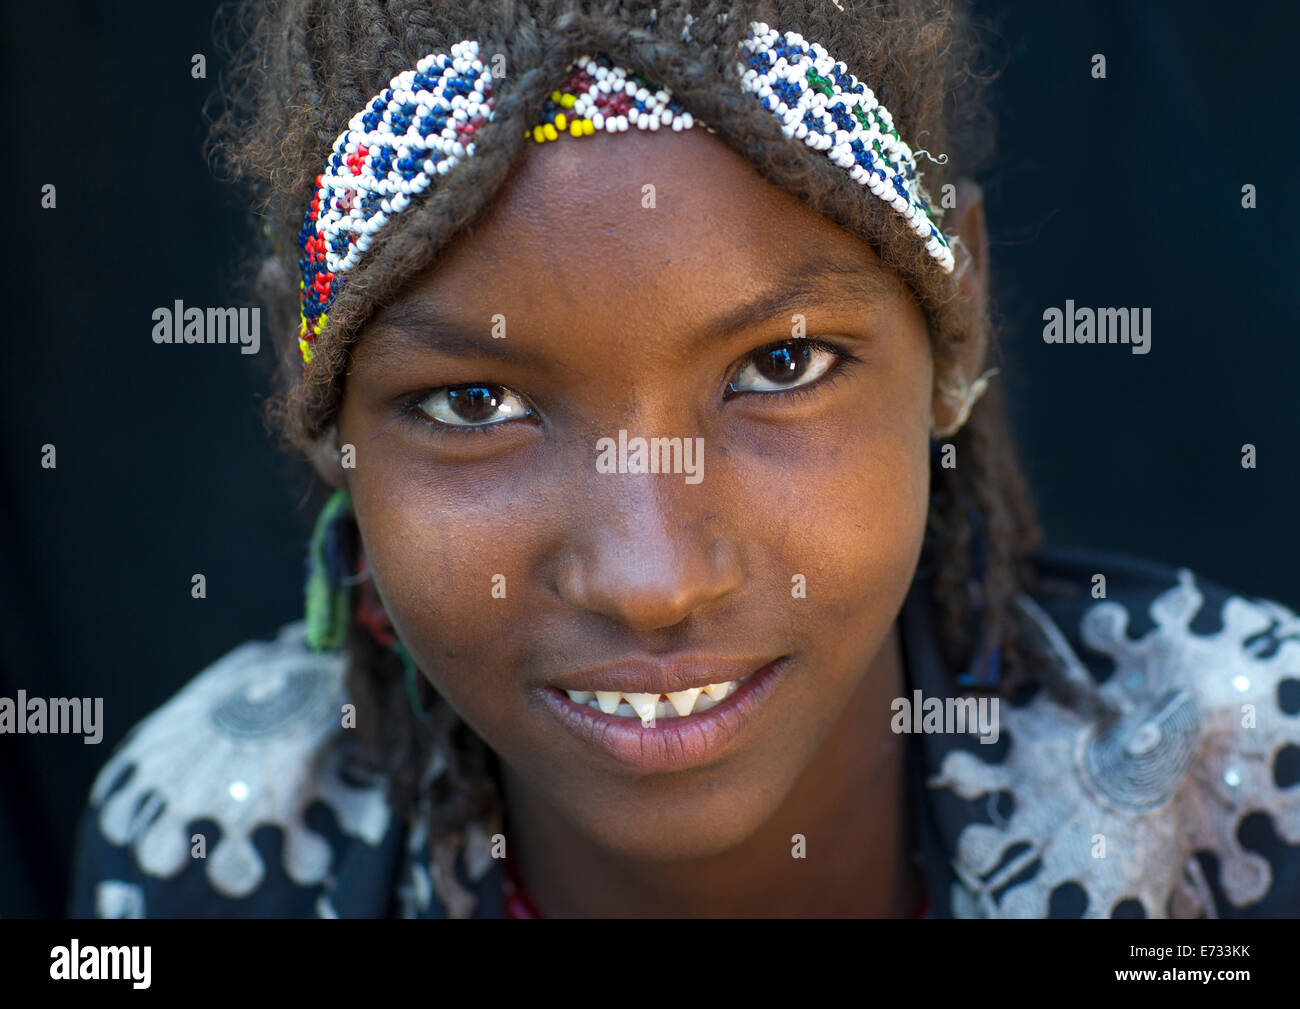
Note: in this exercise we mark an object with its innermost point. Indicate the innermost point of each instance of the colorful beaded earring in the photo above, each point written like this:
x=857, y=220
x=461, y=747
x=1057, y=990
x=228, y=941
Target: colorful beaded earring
x=328, y=594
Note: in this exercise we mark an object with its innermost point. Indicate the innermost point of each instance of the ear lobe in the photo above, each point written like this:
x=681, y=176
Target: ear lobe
x=326, y=460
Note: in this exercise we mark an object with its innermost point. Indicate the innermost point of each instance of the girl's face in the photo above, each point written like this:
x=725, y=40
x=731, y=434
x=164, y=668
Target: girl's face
x=646, y=286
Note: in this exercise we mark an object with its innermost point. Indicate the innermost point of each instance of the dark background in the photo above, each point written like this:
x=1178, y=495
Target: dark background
x=1117, y=192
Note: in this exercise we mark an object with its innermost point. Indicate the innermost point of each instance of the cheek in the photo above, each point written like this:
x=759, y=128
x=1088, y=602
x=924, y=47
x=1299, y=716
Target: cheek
x=847, y=500
x=447, y=562
x=845, y=521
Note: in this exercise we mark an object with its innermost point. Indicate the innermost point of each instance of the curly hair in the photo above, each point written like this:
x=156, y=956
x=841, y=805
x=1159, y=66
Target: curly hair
x=302, y=68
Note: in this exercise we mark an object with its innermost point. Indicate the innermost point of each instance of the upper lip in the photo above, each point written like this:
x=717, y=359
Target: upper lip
x=665, y=676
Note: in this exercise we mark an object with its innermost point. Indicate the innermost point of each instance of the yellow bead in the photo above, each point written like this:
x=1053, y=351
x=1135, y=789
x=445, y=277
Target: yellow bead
x=305, y=348
x=575, y=127
x=549, y=130
x=588, y=127
x=538, y=135
x=561, y=122
x=568, y=100
x=556, y=96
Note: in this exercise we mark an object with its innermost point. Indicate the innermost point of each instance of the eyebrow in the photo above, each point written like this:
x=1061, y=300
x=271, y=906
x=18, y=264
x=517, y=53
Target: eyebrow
x=820, y=281
x=423, y=322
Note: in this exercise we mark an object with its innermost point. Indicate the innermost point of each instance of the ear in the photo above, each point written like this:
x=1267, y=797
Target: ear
x=966, y=222
x=326, y=459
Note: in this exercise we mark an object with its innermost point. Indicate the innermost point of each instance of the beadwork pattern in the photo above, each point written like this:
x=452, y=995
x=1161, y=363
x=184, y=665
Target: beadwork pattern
x=596, y=95
x=417, y=128
x=819, y=102
x=425, y=122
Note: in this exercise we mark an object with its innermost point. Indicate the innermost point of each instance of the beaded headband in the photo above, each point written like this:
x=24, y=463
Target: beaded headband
x=426, y=120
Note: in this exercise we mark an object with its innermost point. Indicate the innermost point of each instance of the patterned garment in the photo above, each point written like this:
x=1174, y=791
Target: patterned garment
x=1167, y=786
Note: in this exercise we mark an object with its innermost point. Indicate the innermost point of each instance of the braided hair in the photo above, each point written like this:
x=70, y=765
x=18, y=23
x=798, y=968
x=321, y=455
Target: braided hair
x=300, y=69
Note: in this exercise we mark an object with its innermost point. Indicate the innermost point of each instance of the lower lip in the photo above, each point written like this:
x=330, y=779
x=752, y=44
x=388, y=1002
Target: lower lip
x=672, y=744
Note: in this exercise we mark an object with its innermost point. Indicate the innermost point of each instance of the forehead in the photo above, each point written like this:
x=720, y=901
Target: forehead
x=638, y=216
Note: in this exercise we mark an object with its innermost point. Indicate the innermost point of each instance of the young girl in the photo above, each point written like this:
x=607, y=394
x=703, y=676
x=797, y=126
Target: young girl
x=675, y=558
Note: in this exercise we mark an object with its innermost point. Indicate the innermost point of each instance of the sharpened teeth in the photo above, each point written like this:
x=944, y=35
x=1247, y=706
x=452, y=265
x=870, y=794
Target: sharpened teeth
x=683, y=701
x=644, y=705
x=648, y=707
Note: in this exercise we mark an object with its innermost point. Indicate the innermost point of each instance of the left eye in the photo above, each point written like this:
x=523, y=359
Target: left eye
x=472, y=405
x=785, y=365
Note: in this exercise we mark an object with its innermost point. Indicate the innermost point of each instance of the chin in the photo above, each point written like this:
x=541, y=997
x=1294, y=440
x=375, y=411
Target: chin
x=681, y=831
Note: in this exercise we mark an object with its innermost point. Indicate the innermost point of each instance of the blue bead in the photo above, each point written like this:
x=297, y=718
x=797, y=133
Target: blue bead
x=788, y=90
x=841, y=117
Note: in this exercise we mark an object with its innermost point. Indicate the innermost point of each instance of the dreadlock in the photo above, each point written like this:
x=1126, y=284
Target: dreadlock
x=301, y=69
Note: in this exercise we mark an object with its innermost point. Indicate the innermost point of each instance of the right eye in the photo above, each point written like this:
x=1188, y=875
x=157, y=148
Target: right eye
x=475, y=406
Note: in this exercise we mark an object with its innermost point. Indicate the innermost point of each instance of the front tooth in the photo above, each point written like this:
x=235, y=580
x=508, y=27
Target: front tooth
x=683, y=700
x=580, y=696
x=643, y=705
x=608, y=700
x=717, y=691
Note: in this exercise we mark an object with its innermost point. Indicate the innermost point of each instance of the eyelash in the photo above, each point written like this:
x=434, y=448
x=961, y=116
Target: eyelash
x=846, y=361
x=411, y=411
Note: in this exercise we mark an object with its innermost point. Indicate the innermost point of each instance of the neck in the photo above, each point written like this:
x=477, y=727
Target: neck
x=850, y=801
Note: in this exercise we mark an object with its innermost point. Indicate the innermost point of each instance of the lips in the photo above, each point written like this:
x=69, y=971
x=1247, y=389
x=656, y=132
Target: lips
x=643, y=676
x=651, y=736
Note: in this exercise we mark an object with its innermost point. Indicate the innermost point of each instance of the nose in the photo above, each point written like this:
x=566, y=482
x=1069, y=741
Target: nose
x=648, y=554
